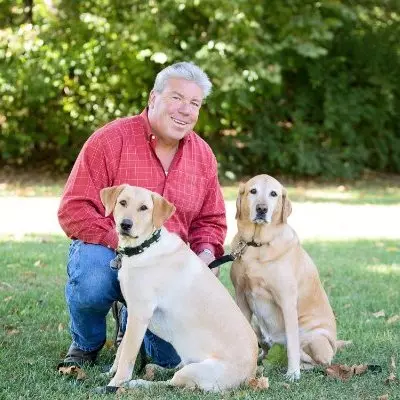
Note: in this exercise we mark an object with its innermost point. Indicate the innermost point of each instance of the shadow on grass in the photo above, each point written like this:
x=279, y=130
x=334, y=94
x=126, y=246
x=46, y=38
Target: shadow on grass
x=361, y=277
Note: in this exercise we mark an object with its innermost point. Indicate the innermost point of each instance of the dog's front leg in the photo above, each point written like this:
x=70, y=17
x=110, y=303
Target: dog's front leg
x=129, y=349
x=289, y=309
x=242, y=303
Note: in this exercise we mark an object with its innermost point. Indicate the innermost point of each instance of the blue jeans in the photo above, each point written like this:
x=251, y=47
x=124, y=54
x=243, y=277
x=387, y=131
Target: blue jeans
x=91, y=289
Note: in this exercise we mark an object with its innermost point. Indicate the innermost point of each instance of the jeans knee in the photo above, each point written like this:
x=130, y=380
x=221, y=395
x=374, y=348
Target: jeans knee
x=89, y=293
x=92, y=284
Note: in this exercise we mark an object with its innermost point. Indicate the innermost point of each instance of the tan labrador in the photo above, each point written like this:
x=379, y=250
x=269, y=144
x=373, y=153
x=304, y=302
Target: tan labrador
x=276, y=280
x=169, y=290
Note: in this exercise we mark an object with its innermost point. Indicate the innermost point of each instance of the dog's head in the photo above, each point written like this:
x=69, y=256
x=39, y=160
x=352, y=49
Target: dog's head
x=137, y=211
x=262, y=200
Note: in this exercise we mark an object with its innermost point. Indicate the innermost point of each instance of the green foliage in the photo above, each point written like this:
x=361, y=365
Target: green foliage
x=300, y=87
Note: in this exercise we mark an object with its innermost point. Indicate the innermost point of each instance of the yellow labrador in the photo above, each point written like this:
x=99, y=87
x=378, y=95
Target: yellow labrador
x=276, y=280
x=169, y=290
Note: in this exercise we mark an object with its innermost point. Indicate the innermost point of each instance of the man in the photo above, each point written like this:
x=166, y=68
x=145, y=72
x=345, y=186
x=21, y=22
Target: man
x=159, y=151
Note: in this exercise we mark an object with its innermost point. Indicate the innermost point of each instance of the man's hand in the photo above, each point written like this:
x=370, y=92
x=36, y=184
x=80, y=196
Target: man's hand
x=208, y=257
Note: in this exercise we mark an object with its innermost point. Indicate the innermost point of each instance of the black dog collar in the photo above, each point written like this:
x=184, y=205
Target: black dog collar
x=132, y=251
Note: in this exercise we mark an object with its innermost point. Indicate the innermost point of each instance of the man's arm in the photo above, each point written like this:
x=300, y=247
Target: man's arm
x=81, y=213
x=208, y=229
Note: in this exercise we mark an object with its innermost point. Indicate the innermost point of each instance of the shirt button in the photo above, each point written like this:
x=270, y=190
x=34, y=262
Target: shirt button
x=152, y=137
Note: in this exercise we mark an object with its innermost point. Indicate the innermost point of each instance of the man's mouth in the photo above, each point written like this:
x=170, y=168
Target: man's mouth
x=179, y=122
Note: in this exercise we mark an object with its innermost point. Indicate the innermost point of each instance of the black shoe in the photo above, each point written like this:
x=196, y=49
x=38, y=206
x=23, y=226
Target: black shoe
x=78, y=357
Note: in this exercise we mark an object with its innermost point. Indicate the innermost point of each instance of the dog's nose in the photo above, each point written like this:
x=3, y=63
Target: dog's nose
x=126, y=224
x=261, y=208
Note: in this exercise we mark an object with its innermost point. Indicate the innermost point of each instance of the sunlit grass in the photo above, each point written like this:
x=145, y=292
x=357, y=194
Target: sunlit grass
x=380, y=191
x=384, y=192
x=361, y=278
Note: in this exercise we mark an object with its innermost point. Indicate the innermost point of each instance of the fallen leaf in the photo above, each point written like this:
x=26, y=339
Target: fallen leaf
x=378, y=314
x=5, y=285
x=37, y=263
x=393, y=319
x=73, y=371
x=60, y=327
x=12, y=331
x=29, y=274
x=120, y=391
x=7, y=299
x=392, y=249
x=149, y=372
x=348, y=305
x=391, y=378
x=392, y=364
x=109, y=344
x=344, y=372
x=360, y=369
x=285, y=385
x=259, y=383
x=384, y=397
x=340, y=344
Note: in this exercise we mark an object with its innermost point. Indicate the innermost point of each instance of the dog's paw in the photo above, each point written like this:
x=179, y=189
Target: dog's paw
x=293, y=375
x=137, y=383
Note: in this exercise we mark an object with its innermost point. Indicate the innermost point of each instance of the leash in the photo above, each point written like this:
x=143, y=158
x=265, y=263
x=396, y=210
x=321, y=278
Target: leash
x=116, y=263
x=235, y=254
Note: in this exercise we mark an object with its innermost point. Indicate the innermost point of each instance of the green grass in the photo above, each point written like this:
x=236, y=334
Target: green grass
x=383, y=190
x=360, y=277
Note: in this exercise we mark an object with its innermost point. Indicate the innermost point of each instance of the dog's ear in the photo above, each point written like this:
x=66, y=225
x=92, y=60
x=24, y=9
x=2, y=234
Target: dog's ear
x=286, y=206
x=109, y=197
x=162, y=210
x=242, y=187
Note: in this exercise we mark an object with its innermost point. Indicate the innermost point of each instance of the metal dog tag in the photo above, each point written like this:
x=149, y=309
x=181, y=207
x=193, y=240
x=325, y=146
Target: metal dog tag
x=116, y=263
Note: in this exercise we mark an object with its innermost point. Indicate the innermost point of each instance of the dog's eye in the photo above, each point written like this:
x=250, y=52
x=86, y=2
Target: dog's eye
x=123, y=203
x=143, y=208
x=253, y=191
x=273, y=194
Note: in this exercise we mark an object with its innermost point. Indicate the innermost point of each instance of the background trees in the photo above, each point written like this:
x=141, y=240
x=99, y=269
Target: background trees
x=300, y=87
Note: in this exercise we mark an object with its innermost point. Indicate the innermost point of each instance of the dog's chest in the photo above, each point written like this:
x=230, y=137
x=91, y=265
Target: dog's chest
x=161, y=324
x=269, y=316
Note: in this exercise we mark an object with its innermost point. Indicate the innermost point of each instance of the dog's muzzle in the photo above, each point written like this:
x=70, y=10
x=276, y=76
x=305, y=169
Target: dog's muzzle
x=125, y=225
x=261, y=214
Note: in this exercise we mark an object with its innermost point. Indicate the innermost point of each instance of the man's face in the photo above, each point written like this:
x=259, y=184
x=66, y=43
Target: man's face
x=174, y=112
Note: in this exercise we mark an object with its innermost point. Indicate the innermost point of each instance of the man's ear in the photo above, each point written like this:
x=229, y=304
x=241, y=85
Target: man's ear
x=152, y=96
x=242, y=187
x=286, y=206
x=162, y=210
x=109, y=197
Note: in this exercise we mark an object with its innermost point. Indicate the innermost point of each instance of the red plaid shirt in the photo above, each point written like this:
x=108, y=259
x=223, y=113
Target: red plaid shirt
x=123, y=152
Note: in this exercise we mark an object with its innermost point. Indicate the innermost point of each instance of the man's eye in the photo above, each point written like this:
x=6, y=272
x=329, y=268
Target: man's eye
x=197, y=105
x=123, y=203
x=143, y=208
x=273, y=194
x=253, y=191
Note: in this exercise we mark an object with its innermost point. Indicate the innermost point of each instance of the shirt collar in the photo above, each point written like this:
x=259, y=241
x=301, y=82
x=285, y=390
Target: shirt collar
x=149, y=133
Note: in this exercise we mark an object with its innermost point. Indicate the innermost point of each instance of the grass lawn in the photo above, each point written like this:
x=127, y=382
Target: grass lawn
x=361, y=278
x=380, y=190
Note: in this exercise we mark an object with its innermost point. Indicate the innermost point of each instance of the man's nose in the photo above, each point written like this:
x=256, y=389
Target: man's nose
x=126, y=224
x=184, y=108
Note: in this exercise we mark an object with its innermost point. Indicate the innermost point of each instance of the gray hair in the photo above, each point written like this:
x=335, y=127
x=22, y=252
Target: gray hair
x=185, y=70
